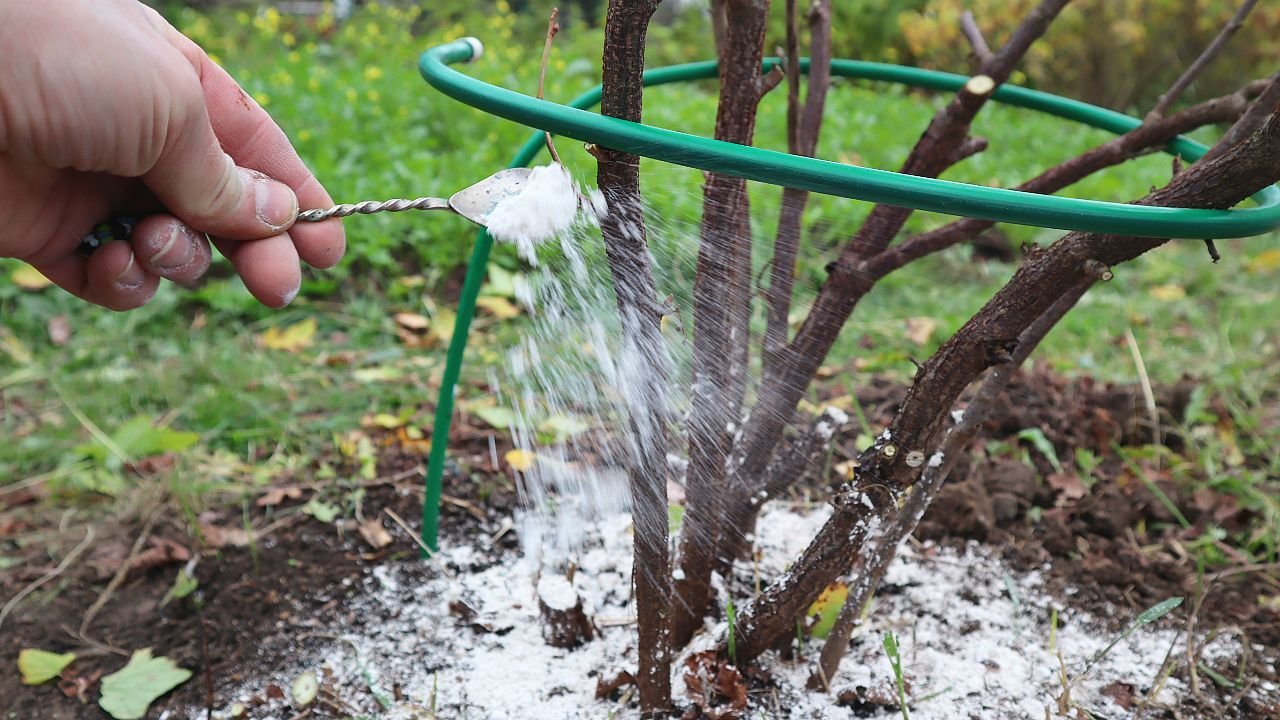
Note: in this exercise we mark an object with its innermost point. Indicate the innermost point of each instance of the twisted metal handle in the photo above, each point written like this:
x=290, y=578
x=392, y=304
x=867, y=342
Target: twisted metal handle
x=369, y=207
x=121, y=228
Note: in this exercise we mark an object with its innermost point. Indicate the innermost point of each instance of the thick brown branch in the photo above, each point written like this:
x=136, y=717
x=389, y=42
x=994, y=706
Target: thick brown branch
x=987, y=339
x=1252, y=119
x=1180, y=85
x=876, y=559
x=626, y=25
x=804, y=125
x=845, y=285
x=721, y=314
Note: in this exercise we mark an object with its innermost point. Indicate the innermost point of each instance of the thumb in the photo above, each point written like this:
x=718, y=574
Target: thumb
x=201, y=185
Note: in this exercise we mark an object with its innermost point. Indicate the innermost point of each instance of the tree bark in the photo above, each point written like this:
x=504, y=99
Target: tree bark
x=721, y=315
x=623, y=228
x=936, y=150
x=989, y=338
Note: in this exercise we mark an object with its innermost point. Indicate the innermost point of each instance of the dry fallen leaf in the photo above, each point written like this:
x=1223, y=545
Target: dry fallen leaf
x=920, y=329
x=291, y=339
x=59, y=330
x=412, y=321
x=499, y=307
x=277, y=496
x=374, y=533
x=1068, y=485
x=217, y=536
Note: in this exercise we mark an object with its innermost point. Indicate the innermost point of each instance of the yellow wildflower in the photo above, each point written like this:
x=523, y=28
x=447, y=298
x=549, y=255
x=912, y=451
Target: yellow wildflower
x=372, y=72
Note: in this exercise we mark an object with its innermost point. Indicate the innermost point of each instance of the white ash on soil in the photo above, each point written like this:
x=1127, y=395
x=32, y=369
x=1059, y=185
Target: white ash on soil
x=974, y=638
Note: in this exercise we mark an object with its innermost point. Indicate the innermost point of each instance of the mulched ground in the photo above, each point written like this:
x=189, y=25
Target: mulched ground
x=1113, y=542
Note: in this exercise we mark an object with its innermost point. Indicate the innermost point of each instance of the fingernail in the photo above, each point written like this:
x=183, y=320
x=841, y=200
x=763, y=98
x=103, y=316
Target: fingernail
x=132, y=276
x=177, y=251
x=289, y=296
x=276, y=204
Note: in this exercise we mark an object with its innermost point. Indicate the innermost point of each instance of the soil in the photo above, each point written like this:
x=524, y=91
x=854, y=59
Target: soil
x=1107, y=544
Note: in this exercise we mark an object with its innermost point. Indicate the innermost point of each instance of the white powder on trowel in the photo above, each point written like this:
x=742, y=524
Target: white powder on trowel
x=544, y=208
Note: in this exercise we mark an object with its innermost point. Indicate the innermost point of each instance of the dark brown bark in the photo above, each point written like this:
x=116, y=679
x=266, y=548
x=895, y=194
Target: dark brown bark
x=804, y=126
x=1251, y=120
x=981, y=53
x=936, y=150
x=989, y=338
x=876, y=557
x=618, y=176
x=721, y=314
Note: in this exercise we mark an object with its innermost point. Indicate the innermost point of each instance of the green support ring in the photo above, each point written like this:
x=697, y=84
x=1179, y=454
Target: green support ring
x=822, y=176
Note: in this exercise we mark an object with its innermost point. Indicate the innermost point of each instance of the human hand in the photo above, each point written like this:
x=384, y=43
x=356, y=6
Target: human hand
x=107, y=110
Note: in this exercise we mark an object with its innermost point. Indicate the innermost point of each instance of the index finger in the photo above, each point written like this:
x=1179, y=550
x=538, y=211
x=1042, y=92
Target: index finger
x=254, y=140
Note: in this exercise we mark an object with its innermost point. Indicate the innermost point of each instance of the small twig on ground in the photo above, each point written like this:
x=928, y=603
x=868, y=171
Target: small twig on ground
x=972, y=33
x=395, y=517
x=1195, y=68
x=121, y=574
x=553, y=27
x=1148, y=395
x=61, y=568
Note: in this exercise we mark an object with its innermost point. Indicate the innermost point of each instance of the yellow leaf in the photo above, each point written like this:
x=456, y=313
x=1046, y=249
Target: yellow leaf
x=291, y=339
x=39, y=666
x=1168, y=292
x=442, y=325
x=827, y=608
x=520, y=460
x=1265, y=261
x=29, y=278
x=499, y=307
x=386, y=421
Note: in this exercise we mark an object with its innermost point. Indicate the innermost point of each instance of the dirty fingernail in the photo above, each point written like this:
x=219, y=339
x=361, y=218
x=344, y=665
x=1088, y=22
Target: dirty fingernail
x=133, y=275
x=177, y=251
x=277, y=206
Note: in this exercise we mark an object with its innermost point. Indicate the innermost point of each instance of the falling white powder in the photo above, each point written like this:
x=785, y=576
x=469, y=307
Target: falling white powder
x=936, y=459
x=544, y=208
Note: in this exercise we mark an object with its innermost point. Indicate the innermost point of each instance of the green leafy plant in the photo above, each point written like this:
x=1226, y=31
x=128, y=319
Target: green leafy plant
x=895, y=662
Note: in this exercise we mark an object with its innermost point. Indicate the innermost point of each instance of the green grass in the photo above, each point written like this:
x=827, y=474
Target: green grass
x=369, y=127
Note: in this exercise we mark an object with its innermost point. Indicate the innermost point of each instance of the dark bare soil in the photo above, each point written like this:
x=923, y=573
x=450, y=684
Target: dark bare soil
x=1111, y=539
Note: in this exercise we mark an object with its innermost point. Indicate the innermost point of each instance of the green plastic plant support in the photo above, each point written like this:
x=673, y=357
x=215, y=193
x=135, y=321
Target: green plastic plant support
x=816, y=175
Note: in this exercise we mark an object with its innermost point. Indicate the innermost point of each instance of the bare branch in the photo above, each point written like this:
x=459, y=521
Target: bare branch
x=981, y=52
x=804, y=125
x=1252, y=119
x=618, y=175
x=553, y=27
x=879, y=555
x=932, y=154
x=1151, y=134
x=722, y=294
x=1180, y=85
x=989, y=338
